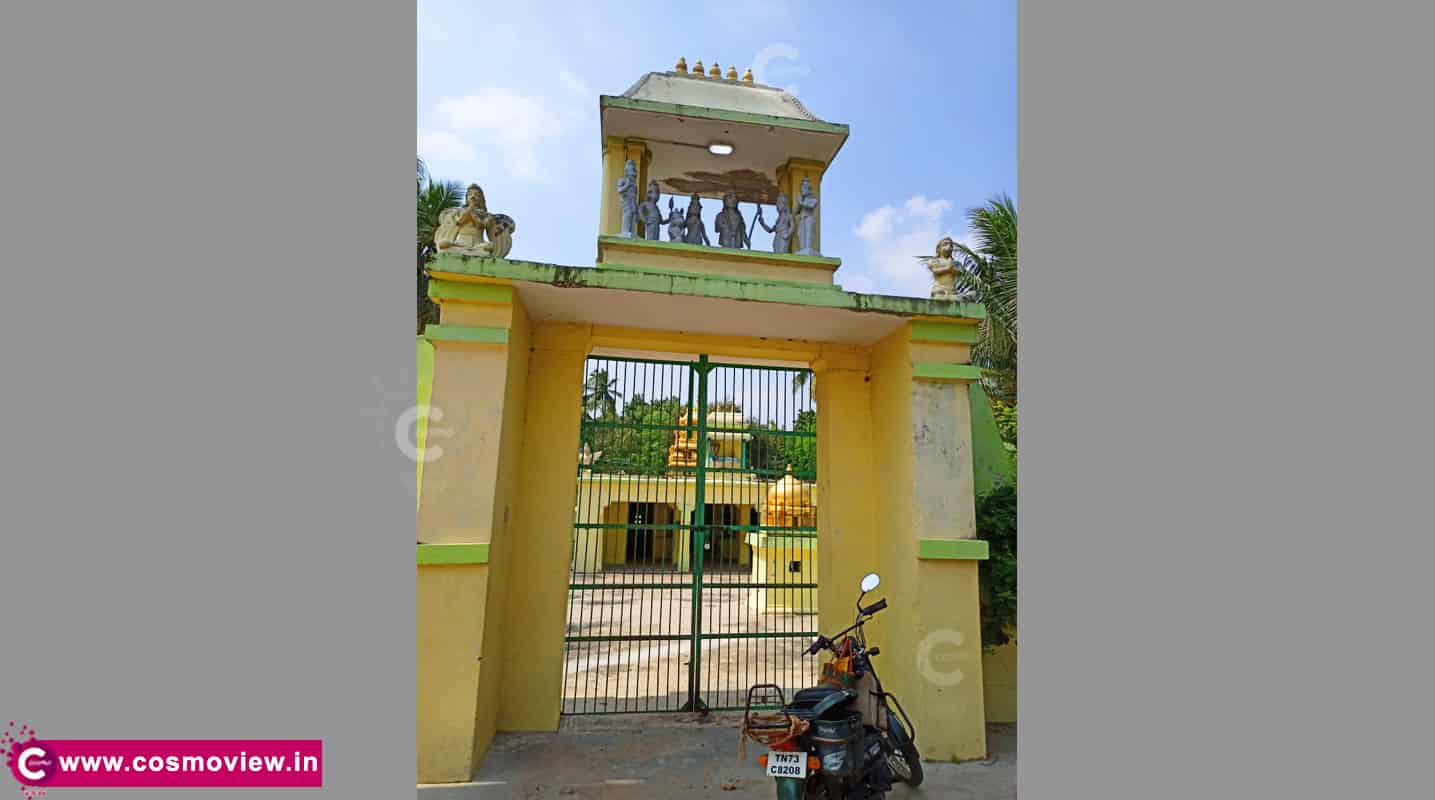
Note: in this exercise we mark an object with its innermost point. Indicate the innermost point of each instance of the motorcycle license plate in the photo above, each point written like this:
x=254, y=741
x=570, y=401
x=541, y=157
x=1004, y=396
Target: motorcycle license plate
x=786, y=764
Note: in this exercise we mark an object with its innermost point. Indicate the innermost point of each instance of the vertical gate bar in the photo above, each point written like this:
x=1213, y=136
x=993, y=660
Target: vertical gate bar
x=698, y=534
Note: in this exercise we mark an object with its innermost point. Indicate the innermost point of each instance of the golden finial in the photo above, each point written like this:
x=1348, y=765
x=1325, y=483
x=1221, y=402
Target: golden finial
x=747, y=76
x=731, y=73
x=716, y=72
x=682, y=65
x=698, y=68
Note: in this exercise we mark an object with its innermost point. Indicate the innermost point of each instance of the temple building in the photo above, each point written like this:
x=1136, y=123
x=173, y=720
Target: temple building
x=664, y=472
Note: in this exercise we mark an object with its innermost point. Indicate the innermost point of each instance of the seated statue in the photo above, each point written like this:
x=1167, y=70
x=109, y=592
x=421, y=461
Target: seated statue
x=944, y=269
x=463, y=230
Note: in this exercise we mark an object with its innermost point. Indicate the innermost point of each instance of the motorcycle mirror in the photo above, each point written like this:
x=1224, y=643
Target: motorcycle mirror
x=870, y=582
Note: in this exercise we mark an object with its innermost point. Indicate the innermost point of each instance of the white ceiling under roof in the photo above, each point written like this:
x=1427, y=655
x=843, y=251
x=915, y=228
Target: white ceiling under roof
x=703, y=315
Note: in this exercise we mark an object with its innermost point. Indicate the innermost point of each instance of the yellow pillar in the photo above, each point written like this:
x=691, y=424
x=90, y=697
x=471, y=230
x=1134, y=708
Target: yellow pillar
x=848, y=528
x=616, y=153
x=789, y=180
x=543, y=531
x=922, y=431
x=479, y=385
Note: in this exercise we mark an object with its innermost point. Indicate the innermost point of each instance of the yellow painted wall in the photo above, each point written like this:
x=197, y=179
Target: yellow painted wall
x=501, y=547
x=999, y=681
x=736, y=263
x=848, y=526
x=450, y=621
x=467, y=496
x=535, y=613
x=923, y=440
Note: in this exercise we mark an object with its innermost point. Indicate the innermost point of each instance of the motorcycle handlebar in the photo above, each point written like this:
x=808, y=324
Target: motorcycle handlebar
x=875, y=607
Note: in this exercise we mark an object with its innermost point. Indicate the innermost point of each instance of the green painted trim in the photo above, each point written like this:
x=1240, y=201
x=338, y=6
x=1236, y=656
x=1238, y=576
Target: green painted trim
x=432, y=555
x=700, y=285
x=466, y=333
x=721, y=253
x=953, y=549
x=471, y=292
x=927, y=370
x=812, y=285
x=925, y=330
x=724, y=115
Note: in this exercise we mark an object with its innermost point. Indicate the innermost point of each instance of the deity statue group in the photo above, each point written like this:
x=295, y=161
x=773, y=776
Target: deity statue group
x=686, y=225
x=470, y=230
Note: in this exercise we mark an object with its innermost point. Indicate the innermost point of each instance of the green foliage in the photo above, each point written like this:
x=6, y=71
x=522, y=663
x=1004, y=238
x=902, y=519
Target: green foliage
x=989, y=273
x=600, y=396
x=996, y=523
x=1006, y=421
x=639, y=446
x=433, y=198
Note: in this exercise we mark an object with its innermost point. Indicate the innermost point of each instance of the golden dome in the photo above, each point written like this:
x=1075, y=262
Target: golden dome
x=790, y=502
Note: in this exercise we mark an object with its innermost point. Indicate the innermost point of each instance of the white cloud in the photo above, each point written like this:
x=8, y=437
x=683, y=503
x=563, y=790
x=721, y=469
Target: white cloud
x=765, y=71
x=574, y=84
x=516, y=126
x=894, y=238
x=876, y=225
x=445, y=146
x=858, y=282
x=922, y=208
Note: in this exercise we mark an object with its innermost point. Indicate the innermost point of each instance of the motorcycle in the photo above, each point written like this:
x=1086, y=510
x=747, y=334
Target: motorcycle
x=840, y=740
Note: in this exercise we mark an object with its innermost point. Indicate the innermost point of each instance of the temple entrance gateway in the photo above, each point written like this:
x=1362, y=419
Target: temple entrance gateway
x=693, y=571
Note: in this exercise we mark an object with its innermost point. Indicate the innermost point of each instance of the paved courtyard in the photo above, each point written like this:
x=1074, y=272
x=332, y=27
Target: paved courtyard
x=652, y=675
x=680, y=755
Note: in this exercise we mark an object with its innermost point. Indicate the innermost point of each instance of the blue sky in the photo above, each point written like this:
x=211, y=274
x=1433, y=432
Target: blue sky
x=508, y=99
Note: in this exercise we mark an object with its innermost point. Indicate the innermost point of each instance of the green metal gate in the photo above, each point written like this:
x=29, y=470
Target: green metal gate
x=686, y=587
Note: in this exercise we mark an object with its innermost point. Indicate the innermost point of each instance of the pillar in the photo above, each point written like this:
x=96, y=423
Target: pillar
x=929, y=554
x=848, y=530
x=537, y=599
x=616, y=153
x=480, y=357
x=789, y=180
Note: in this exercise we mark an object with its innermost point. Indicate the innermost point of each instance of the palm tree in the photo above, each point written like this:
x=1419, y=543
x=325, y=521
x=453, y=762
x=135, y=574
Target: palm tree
x=988, y=275
x=800, y=379
x=600, y=395
x=433, y=198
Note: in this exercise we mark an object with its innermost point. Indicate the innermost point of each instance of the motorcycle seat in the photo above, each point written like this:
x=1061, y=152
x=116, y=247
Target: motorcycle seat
x=816, y=701
x=813, y=695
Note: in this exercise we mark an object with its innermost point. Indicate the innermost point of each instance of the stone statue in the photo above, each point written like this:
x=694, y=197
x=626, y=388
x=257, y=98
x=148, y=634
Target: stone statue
x=463, y=230
x=628, y=191
x=731, y=227
x=694, y=232
x=649, y=213
x=806, y=220
x=675, y=223
x=782, y=230
x=944, y=269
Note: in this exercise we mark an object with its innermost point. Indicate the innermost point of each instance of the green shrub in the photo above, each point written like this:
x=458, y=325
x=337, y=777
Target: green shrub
x=996, y=523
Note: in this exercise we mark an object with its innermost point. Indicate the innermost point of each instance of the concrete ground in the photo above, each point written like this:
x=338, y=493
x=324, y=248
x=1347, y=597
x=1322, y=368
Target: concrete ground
x=680, y=755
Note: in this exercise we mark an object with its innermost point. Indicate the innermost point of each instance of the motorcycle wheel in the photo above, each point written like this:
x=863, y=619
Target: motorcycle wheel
x=902, y=758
